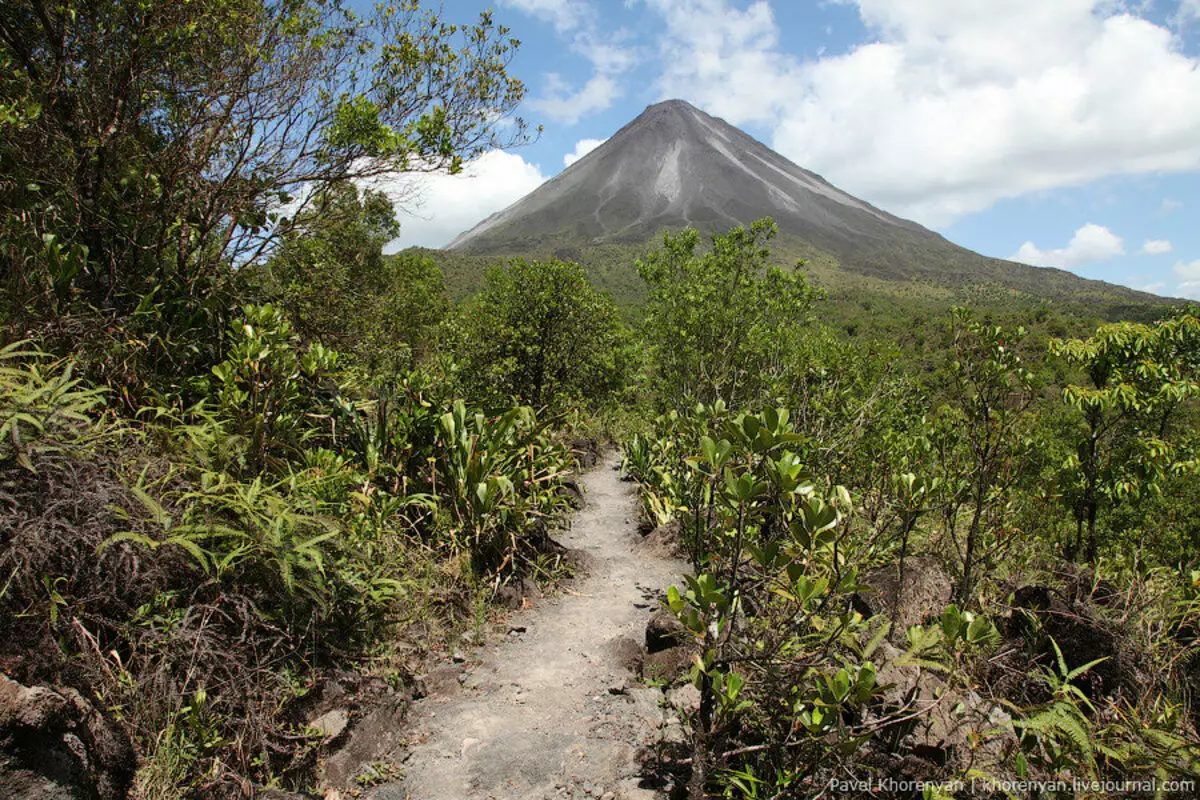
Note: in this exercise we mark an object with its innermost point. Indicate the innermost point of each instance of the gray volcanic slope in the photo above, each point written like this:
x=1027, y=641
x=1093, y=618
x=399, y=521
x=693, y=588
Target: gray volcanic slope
x=676, y=166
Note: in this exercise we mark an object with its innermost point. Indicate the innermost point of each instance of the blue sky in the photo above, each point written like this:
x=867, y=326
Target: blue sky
x=1057, y=132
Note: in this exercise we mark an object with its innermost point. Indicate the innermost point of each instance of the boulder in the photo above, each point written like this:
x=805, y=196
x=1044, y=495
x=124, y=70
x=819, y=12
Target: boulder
x=663, y=632
x=667, y=666
x=444, y=680
x=686, y=698
x=956, y=729
x=514, y=595
x=54, y=745
x=628, y=653
x=331, y=724
x=923, y=597
x=1041, y=611
x=376, y=736
x=587, y=452
x=570, y=488
x=662, y=542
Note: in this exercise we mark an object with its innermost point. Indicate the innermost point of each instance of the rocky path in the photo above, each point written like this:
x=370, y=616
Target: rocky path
x=553, y=711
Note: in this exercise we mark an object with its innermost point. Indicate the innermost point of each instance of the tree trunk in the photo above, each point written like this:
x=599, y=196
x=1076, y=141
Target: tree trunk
x=1092, y=545
x=965, y=585
x=702, y=743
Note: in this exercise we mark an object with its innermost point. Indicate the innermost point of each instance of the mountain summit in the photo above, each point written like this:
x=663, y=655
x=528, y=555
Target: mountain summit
x=675, y=166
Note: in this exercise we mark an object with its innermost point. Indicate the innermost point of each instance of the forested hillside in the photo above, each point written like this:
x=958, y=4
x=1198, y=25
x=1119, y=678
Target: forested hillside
x=245, y=457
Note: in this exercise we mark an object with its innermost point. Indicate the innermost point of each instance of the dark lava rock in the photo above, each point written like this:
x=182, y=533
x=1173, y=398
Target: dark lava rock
x=587, y=452
x=374, y=736
x=662, y=542
x=54, y=745
x=1041, y=611
x=628, y=653
x=666, y=665
x=663, y=632
x=572, y=491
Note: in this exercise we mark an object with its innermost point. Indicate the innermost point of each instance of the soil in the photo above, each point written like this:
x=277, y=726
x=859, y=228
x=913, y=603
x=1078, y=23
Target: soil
x=553, y=710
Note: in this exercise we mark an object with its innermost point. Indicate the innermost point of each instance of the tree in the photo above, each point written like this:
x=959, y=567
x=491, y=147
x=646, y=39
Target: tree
x=165, y=138
x=721, y=323
x=993, y=391
x=539, y=332
x=1125, y=443
x=330, y=274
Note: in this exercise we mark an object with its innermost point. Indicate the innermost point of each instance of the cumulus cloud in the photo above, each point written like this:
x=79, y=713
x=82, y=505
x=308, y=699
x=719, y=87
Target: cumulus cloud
x=1189, y=11
x=434, y=208
x=711, y=48
x=1188, y=274
x=1156, y=247
x=564, y=15
x=582, y=148
x=568, y=106
x=1090, y=243
x=940, y=114
x=577, y=22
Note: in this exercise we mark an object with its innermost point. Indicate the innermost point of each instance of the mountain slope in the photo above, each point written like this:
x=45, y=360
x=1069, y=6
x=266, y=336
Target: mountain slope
x=675, y=166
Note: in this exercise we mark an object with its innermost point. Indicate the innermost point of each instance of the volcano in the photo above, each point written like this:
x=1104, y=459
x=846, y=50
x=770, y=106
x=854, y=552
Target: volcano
x=675, y=166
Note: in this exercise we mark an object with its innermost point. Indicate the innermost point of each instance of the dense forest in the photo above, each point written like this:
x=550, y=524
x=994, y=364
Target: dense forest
x=242, y=449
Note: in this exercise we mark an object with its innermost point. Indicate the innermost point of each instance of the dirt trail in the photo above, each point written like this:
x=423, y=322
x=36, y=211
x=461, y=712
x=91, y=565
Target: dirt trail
x=551, y=712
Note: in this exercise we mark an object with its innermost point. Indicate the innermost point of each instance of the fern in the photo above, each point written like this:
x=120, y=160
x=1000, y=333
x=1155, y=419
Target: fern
x=43, y=408
x=1062, y=727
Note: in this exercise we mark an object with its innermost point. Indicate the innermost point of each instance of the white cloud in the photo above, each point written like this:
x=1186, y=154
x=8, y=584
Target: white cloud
x=568, y=106
x=951, y=105
x=564, y=15
x=1090, y=243
x=1157, y=247
x=1169, y=205
x=582, y=148
x=1188, y=274
x=725, y=59
x=576, y=21
x=434, y=208
x=608, y=57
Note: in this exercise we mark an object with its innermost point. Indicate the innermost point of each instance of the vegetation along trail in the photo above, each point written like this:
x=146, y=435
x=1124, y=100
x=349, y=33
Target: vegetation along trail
x=554, y=711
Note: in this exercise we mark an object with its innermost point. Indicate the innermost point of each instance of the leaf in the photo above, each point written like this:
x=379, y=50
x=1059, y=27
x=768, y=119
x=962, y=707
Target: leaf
x=674, y=600
x=877, y=639
x=979, y=629
x=952, y=622
x=128, y=536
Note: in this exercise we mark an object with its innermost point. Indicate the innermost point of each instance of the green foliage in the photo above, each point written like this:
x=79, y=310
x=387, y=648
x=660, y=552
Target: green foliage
x=538, y=332
x=40, y=404
x=1127, y=434
x=267, y=387
x=151, y=153
x=330, y=275
x=498, y=473
x=721, y=325
x=983, y=451
x=788, y=670
x=1062, y=729
x=781, y=659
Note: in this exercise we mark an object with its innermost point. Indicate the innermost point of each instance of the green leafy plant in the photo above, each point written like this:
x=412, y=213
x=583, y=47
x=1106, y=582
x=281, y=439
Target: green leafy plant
x=1138, y=377
x=43, y=407
x=720, y=324
x=267, y=386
